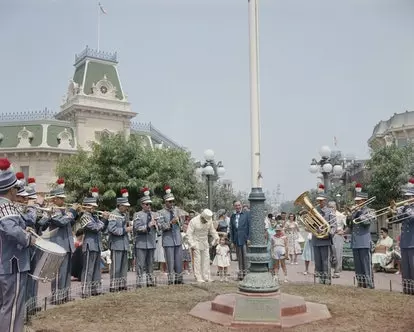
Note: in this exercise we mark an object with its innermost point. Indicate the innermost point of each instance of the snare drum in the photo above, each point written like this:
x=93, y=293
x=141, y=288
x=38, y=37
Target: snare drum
x=49, y=257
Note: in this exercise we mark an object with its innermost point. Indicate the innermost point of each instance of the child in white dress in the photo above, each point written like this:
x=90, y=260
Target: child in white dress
x=222, y=259
x=279, y=251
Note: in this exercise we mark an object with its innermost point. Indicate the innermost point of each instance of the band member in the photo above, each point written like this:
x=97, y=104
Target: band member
x=361, y=241
x=91, y=247
x=323, y=247
x=118, y=229
x=171, y=238
x=32, y=284
x=239, y=236
x=14, y=256
x=198, y=231
x=61, y=221
x=405, y=216
x=145, y=232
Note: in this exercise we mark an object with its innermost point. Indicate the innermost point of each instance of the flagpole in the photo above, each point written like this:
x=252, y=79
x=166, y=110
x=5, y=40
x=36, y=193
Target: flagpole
x=99, y=26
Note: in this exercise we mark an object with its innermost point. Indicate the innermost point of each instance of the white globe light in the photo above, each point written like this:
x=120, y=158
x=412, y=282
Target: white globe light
x=208, y=170
x=199, y=171
x=337, y=170
x=209, y=154
x=314, y=168
x=221, y=171
x=325, y=151
x=327, y=168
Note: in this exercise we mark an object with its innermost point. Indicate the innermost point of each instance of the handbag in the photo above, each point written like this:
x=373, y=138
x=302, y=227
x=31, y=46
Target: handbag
x=300, y=238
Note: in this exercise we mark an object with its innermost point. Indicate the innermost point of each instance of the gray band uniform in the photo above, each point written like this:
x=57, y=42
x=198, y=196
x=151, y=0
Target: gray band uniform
x=91, y=250
x=14, y=258
x=119, y=245
x=172, y=242
x=361, y=243
x=322, y=248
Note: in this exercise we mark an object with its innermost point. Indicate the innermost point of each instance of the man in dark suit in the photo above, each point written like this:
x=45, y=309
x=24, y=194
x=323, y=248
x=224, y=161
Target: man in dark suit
x=240, y=236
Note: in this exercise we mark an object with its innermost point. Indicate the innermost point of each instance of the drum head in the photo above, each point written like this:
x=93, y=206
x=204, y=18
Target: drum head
x=50, y=247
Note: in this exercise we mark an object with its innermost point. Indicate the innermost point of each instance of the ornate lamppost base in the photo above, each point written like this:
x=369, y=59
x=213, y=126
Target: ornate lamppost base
x=258, y=278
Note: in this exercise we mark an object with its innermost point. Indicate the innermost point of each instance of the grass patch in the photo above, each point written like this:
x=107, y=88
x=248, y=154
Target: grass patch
x=166, y=309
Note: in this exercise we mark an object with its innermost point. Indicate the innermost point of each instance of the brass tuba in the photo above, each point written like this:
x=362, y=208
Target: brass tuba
x=311, y=218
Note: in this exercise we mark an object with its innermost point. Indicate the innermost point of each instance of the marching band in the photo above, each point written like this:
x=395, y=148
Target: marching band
x=25, y=221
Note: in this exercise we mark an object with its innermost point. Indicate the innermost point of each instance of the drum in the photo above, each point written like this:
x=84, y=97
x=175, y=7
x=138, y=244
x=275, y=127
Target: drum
x=49, y=257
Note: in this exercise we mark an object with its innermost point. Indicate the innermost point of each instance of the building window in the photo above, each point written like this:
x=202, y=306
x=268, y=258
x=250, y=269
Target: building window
x=401, y=142
x=25, y=171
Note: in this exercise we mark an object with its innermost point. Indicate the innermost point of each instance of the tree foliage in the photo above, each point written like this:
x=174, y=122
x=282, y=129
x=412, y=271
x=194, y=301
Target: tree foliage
x=118, y=163
x=390, y=168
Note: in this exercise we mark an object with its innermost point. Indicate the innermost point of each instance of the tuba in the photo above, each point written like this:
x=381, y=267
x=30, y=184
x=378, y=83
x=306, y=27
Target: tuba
x=311, y=218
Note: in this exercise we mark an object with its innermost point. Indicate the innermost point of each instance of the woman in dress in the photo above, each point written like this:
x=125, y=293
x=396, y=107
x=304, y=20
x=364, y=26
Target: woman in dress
x=307, y=254
x=292, y=233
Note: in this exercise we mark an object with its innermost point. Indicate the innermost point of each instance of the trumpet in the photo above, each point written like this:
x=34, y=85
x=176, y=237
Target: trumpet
x=111, y=215
x=37, y=207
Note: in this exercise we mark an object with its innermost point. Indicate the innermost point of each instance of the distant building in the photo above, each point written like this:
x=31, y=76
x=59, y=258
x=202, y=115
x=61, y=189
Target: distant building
x=95, y=105
x=398, y=129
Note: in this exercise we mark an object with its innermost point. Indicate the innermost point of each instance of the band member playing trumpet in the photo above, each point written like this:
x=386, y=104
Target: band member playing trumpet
x=323, y=247
x=61, y=221
x=359, y=224
x=118, y=229
x=171, y=238
x=91, y=247
x=14, y=256
x=145, y=233
x=405, y=216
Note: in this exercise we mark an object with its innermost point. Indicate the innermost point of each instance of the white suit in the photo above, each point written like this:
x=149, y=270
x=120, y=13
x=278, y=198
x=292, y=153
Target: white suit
x=197, y=234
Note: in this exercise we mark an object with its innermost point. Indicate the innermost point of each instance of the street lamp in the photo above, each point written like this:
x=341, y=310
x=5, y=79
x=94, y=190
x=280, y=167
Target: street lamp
x=327, y=165
x=212, y=173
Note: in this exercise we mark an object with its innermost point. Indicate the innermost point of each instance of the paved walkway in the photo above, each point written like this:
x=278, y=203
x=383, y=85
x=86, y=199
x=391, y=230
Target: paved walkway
x=384, y=281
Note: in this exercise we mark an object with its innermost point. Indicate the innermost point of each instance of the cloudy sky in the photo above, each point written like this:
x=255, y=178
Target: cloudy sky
x=328, y=68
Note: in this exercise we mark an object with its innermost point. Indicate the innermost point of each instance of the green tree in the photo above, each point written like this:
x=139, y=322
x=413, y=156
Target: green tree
x=390, y=168
x=118, y=163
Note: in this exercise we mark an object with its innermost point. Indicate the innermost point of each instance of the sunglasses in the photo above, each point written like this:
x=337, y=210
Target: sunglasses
x=147, y=204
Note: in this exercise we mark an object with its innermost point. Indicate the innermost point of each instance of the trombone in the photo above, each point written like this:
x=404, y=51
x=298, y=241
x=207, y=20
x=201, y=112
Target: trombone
x=350, y=210
x=392, y=210
x=37, y=207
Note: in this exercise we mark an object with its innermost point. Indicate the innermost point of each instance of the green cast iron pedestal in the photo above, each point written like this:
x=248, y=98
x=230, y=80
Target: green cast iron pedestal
x=258, y=278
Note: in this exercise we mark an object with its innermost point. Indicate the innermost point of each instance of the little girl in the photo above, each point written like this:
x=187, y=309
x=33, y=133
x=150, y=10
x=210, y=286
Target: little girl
x=222, y=259
x=279, y=251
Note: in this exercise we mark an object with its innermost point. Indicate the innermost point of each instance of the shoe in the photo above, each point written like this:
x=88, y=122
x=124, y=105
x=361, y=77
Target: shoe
x=336, y=275
x=226, y=279
x=305, y=273
x=286, y=280
x=200, y=281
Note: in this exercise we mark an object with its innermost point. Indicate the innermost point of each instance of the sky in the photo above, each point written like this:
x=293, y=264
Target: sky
x=328, y=68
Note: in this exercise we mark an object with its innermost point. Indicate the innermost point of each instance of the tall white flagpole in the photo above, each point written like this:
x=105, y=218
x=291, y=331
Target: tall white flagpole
x=99, y=25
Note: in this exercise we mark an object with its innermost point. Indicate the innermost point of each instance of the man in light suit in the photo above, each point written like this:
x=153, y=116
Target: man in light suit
x=145, y=233
x=92, y=247
x=14, y=256
x=361, y=241
x=323, y=250
x=239, y=231
x=198, y=232
x=118, y=229
x=61, y=223
x=171, y=238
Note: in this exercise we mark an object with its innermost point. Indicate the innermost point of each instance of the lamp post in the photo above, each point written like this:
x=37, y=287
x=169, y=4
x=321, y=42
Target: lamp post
x=324, y=165
x=258, y=279
x=212, y=172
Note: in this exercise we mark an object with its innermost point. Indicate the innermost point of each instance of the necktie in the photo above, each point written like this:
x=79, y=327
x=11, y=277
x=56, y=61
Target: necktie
x=237, y=220
x=148, y=220
x=171, y=215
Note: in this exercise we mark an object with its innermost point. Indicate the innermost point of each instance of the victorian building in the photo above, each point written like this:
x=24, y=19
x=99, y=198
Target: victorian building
x=95, y=104
x=398, y=129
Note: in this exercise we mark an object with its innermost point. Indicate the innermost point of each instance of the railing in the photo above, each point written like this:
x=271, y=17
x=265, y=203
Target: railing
x=100, y=55
x=44, y=114
x=148, y=128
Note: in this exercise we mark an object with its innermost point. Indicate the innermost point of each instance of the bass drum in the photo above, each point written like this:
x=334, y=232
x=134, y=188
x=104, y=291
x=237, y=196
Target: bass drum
x=47, y=259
